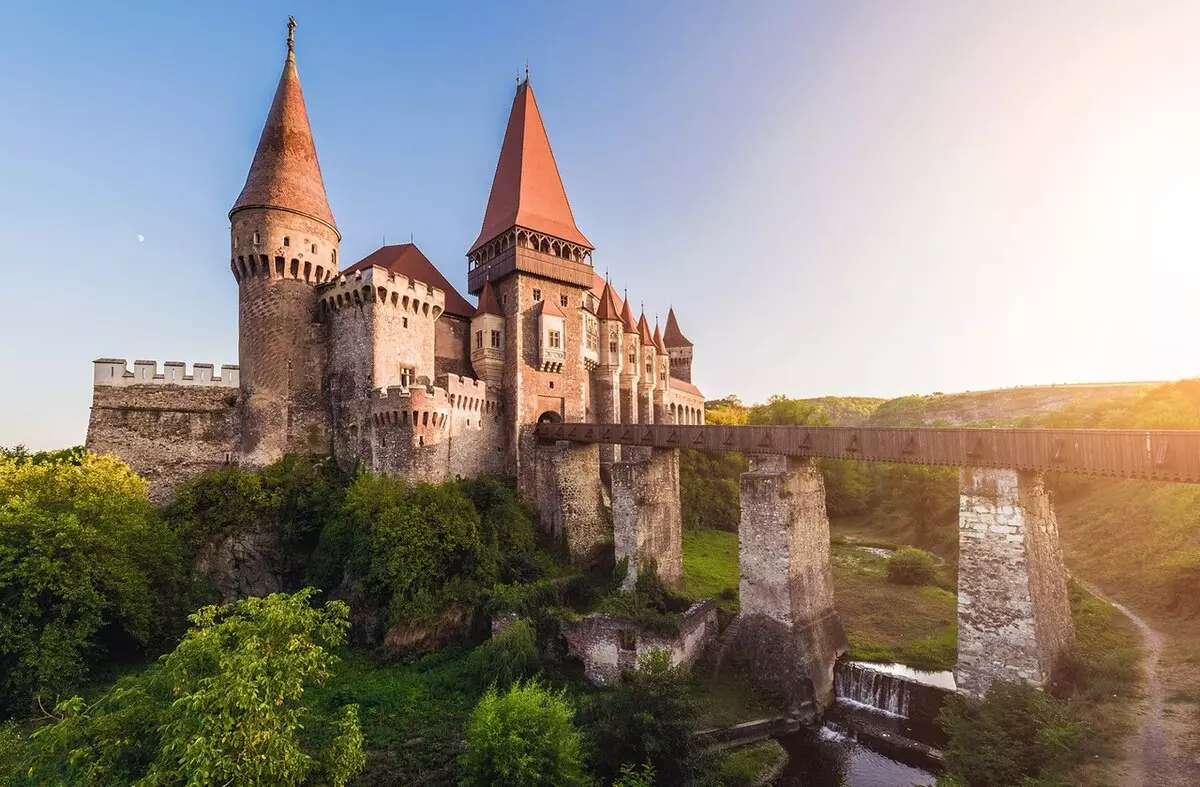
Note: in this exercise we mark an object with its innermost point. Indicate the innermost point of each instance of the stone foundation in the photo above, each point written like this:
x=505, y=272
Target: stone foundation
x=647, y=521
x=570, y=496
x=789, y=635
x=1014, y=616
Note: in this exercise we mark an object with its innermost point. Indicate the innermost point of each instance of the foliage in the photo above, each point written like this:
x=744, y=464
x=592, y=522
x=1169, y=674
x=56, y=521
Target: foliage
x=647, y=717
x=1103, y=662
x=708, y=489
x=635, y=775
x=911, y=566
x=744, y=767
x=86, y=570
x=227, y=706
x=506, y=530
x=295, y=497
x=1015, y=735
x=507, y=657
x=1180, y=579
x=650, y=603
x=523, y=737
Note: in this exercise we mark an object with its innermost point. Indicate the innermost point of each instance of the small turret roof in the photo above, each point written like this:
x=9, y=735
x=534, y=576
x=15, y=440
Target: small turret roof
x=608, y=308
x=285, y=172
x=658, y=339
x=644, y=330
x=627, y=317
x=487, y=301
x=673, y=337
x=527, y=190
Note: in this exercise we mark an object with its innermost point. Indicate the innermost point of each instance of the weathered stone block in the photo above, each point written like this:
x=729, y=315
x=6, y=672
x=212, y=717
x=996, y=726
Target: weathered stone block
x=647, y=519
x=570, y=496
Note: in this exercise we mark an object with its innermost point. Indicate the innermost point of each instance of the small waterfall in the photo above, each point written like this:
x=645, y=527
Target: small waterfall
x=859, y=684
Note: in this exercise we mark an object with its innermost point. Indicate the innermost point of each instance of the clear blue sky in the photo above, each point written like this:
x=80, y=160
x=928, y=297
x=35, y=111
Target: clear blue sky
x=872, y=198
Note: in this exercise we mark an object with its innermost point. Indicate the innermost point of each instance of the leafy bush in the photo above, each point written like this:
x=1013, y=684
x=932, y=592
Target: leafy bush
x=646, y=718
x=86, y=567
x=911, y=566
x=508, y=657
x=635, y=776
x=650, y=604
x=523, y=738
x=228, y=706
x=1015, y=733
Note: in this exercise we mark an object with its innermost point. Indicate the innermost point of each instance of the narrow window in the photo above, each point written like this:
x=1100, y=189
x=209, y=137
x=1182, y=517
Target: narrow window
x=551, y=383
x=333, y=256
x=256, y=239
x=314, y=248
x=478, y=339
x=495, y=338
x=632, y=358
x=562, y=299
x=649, y=369
x=235, y=241
x=405, y=321
x=537, y=295
x=612, y=347
x=287, y=241
x=555, y=339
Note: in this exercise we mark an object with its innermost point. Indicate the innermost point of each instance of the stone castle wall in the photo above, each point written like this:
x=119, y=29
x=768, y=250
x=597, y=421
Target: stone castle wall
x=166, y=431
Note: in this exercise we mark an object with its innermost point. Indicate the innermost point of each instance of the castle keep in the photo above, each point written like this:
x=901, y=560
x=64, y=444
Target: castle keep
x=382, y=362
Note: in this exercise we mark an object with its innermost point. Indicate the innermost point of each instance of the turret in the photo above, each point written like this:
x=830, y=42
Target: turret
x=487, y=338
x=284, y=242
x=646, y=371
x=679, y=348
x=609, y=315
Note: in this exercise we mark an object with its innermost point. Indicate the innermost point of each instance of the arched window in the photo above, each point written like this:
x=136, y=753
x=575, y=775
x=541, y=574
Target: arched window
x=287, y=241
x=314, y=248
x=333, y=256
x=256, y=239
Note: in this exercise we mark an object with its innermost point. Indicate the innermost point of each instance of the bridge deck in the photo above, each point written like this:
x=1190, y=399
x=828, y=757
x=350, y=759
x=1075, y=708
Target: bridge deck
x=1163, y=455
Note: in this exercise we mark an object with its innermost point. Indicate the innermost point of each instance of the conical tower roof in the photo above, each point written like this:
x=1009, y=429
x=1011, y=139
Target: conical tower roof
x=627, y=316
x=673, y=336
x=527, y=190
x=658, y=339
x=644, y=330
x=285, y=173
x=607, y=310
x=487, y=301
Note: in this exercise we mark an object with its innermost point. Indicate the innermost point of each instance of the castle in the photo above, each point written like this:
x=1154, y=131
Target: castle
x=382, y=362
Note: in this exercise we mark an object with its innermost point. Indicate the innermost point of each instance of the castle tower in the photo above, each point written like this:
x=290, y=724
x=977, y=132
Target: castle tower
x=679, y=348
x=631, y=346
x=608, y=370
x=647, y=367
x=487, y=338
x=284, y=242
x=662, y=370
x=539, y=264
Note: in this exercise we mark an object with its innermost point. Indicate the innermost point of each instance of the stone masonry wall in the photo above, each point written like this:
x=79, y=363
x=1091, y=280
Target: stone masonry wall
x=1014, y=618
x=166, y=433
x=647, y=520
x=789, y=635
x=569, y=496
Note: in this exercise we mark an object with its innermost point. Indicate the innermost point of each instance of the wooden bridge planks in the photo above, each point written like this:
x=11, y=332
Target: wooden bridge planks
x=1165, y=455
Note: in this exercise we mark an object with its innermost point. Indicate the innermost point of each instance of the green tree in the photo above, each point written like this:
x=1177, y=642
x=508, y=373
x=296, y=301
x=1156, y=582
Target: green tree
x=86, y=567
x=228, y=706
x=507, y=657
x=646, y=718
x=525, y=737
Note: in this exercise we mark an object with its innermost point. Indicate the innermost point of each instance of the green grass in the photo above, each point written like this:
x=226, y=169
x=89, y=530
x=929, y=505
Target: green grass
x=917, y=626
x=743, y=767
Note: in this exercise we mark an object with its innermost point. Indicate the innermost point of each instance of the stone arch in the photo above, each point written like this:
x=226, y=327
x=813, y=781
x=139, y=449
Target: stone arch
x=549, y=417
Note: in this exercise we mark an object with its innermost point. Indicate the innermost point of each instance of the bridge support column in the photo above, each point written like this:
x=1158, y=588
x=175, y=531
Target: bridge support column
x=1014, y=616
x=570, y=496
x=647, y=522
x=789, y=636
x=608, y=411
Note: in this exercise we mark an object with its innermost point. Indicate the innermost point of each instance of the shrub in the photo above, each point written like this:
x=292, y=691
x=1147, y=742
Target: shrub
x=508, y=657
x=646, y=718
x=635, y=776
x=1014, y=733
x=911, y=566
x=228, y=706
x=86, y=566
x=523, y=738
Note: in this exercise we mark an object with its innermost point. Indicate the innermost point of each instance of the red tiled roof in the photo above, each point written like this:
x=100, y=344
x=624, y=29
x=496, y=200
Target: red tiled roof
x=550, y=307
x=644, y=330
x=407, y=260
x=679, y=385
x=285, y=172
x=658, y=340
x=673, y=336
x=609, y=308
x=527, y=190
x=487, y=301
x=627, y=317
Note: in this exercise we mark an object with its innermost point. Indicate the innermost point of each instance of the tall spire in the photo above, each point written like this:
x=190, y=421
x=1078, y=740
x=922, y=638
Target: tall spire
x=285, y=173
x=658, y=340
x=644, y=330
x=607, y=310
x=627, y=316
x=527, y=190
x=673, y=337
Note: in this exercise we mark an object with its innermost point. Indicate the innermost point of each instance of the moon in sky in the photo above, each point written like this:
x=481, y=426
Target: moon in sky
x=141, y=239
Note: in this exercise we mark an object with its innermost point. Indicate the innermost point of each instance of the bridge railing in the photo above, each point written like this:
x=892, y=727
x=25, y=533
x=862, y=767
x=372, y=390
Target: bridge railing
x=1164, y=455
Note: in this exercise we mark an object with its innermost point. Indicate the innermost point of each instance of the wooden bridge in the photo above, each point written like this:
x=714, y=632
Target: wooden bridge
x=1159, y=454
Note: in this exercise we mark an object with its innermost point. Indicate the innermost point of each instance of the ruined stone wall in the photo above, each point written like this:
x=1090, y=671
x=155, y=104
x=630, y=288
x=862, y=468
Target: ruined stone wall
x=789, y=634
x=647, y=519
x=569, y=496
x=608, y=645
x=165, y=432
x=1014, y=618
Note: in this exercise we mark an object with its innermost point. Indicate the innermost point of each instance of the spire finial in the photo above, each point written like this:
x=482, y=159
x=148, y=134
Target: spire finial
x=527, y=69
x=291, y=34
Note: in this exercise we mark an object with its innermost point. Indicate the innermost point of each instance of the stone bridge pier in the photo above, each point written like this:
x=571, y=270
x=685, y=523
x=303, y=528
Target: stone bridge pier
x=647, y=519
x=570, y=496
x=1014, y=615
x=788, y=634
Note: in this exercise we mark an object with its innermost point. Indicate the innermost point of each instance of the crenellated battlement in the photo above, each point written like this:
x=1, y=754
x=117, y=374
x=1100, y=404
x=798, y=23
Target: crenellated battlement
x=116, y=372
x=379, y=286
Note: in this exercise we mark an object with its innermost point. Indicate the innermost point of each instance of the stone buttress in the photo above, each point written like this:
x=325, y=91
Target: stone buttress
x=647, y=520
